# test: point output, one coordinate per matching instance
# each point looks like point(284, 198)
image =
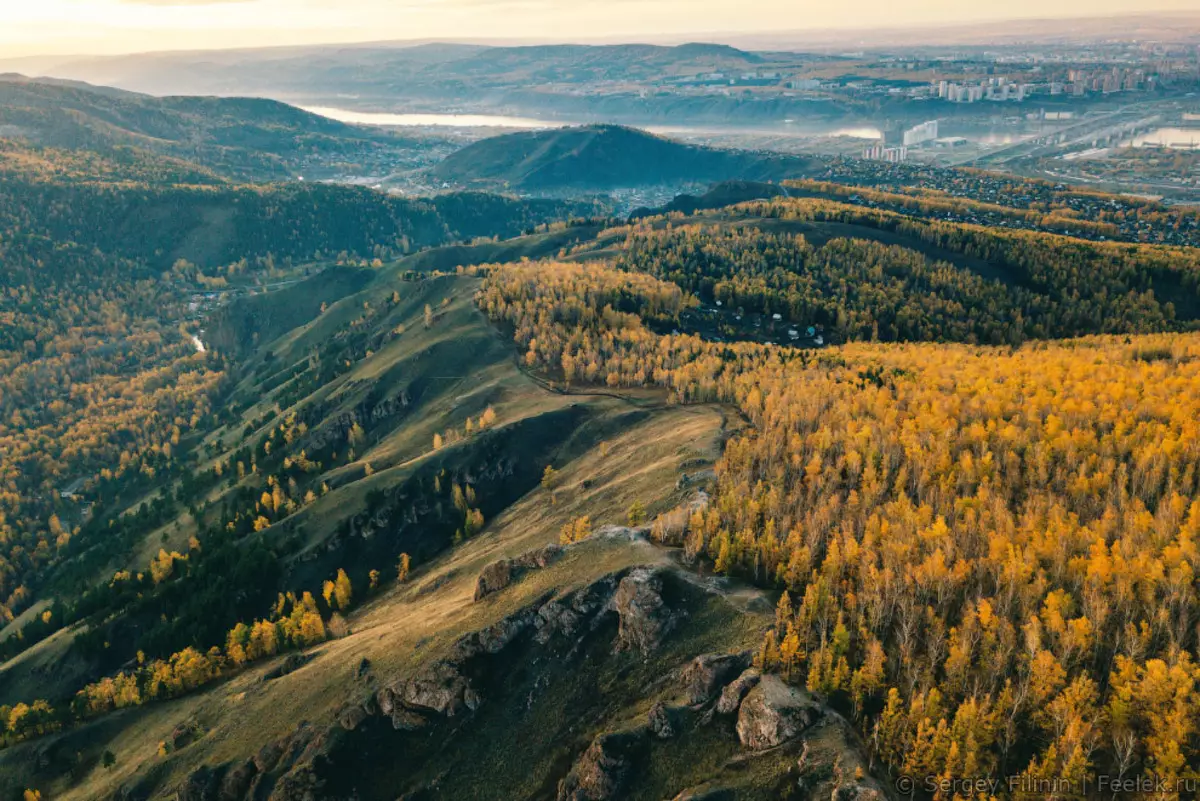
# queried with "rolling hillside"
point(242, 138)
point(603, 157)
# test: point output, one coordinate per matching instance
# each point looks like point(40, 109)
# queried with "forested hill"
point(604, 156)
point(244, 138)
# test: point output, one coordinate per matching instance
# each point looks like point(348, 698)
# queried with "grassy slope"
point(623, 450)
point(408, 625)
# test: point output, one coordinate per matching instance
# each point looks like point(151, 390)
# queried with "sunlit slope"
point(608, 452)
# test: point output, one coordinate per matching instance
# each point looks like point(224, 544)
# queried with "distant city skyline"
point(69, 27)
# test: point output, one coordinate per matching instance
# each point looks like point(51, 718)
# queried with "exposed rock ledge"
point(645, 618)
point(773, 713)
point(736, 690)
point(284, 771)
point(440, 688)
point(500, 574)
point(601, 773)
point(705, 675)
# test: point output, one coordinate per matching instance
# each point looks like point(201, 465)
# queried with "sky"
point(55, 27)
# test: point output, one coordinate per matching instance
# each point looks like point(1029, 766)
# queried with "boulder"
point(440, 688)
point(387, 700)
point(735, 691)
point(601, 773)
point(705, 675)
point(644, 616)
point(351, 717)
point(660, 721)
point(503, 572)
point(493, 578)
point(407, 720)
point(773, 713)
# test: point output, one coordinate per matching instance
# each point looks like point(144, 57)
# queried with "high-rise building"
point(879, 152)
point(919, 134)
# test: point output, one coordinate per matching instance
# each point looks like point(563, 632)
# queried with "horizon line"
point(670, 40)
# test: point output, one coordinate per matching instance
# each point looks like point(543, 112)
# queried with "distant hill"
point(603, 157)
point(390, 68)
point(552, 81)
point(246, 138)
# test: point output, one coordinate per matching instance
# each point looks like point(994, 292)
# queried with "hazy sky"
point(29, 27)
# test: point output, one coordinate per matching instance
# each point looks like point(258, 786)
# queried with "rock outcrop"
point(859, 791)
point(500, 574)
point(300, 784)
point(493, 578)
point(773, 713)
point(644, 617)
point(289, 769)
point(202, 784)
point(351, 716)
point(705, 675)
point(289, 664)
point(440, 688)
point(496, 637)
point(833, 763)
point(183, 735)
point(238, 781)
point(602, 771)
point(736, 690)
point(659, 720)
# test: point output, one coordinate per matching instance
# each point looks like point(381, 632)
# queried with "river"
point(502, 121)
point(440, 120)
